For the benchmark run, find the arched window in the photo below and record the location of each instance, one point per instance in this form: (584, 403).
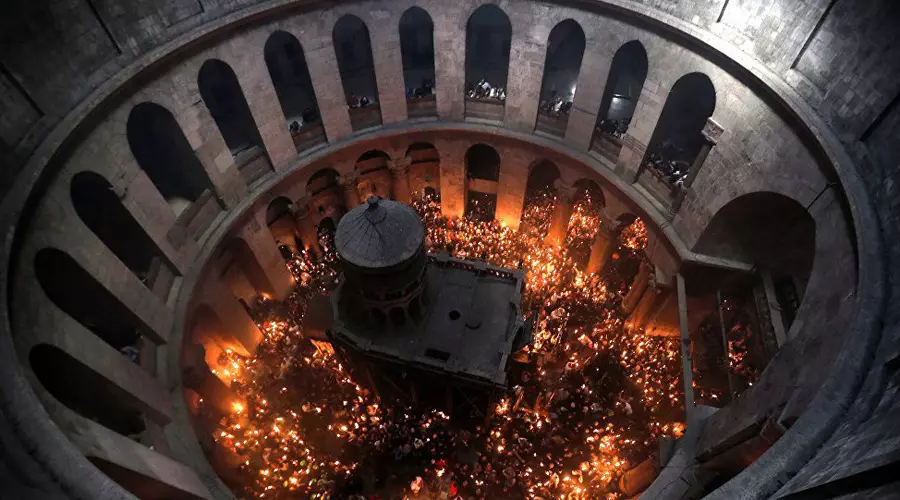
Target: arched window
(620, 96)
(225, 100)
(540, 192)
(101, 210)
(417, 51)
(565, 48)
(678, 138)
(353, 48)
(424, 169)
(488, 39)
(77, 293)
(482, 178)
(165, 155)
(293, 86)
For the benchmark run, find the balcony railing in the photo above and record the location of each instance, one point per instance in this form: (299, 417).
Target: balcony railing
(485, 109)
(552, 123)
(197, 218)
(607, 145)
(363, 118)
(421, 107)
(308, 136)
(252, 164)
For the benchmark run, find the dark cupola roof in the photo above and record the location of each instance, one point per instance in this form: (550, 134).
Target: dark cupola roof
(379, 234)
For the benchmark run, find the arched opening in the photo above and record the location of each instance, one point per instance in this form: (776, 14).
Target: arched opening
(290, 76)
(321, 180)
(244, 273)
(488, 39)
(85, 391)
(417, 51)
(565, 49)
(374, 177)
(584, 222)
(165, 155)
(280, 220)
(540, 194)
(222, 94)
(353, 48)
(424, 169)
(774, 233)
(620, 96)
(102, 212)
(78, 294)
(628, 252)
(678, 139)
(482, 179)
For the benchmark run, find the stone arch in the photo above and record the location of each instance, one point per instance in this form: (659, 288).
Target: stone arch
(482, 179)
(417, 54)
(677, 138)
(165, 155)
(424, 169)
(583, 225)
(222, 94)
(322, 179)
(102, 211)
(281, 224)
(286, 62)
(589, 188)
(78, 294)
(541, 177)
(488, 42)
(353, 49)
(374, 178)
(84, 391)
(624, 84)
(562, 64)
(771, 231)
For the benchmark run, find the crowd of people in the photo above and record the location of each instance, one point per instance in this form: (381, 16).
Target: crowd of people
(483, 90)
(555, 106)
(426, 88)
(614, 128)
(587, 399)
(308, 116)
(673, 171)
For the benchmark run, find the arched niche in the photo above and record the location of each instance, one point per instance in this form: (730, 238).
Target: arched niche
(165, 155)
(417, 54)
(101, 210)
(488, 40)
(540, 198)
(353, 48)
(287, 67)
(541, 178)
(677, 139)
(562, 64)
(84, 391)
(482, 179)
(78, 294)
(374, 177)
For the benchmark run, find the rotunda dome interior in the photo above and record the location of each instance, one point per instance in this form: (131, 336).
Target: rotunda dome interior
(419, 249)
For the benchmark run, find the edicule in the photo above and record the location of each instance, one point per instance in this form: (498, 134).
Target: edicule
(424, 329)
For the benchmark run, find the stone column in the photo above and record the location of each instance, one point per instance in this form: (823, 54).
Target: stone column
(653, 300)
(686, 361)
(638, 287)
(400, 179)
(711, 133)
(604, 245)
(307, 228)
(264, 256)
(350, 188)
(562, 210)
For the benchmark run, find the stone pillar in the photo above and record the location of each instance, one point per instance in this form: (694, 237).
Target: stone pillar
(350, 188)
(400, 179)
(307, 228)
(638, 287)
(686, 361)
(651, 302)
(240, 330)
(562, 210)
(711, 133)
(604, 245)
(453, 178)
